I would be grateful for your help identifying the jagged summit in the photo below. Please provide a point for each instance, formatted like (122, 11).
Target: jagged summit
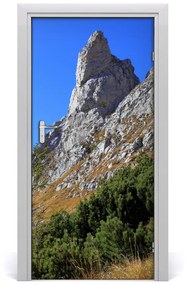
(102, 80)
(96, 36)
(93, 58)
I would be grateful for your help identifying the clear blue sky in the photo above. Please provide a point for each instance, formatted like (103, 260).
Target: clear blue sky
(56, 43)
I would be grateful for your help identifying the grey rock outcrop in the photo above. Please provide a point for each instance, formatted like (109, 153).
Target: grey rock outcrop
(93, 59)
(102, 80)
(137, 143)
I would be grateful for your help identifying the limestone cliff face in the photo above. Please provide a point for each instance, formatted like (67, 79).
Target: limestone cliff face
(93, 59)
(102, 80)
(110, 121)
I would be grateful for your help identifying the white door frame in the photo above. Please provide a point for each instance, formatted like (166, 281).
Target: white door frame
(160, 14)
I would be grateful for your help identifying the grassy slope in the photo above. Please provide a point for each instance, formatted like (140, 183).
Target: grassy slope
(129, 270)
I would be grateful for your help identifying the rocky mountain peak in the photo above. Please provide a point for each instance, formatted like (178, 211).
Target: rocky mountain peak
(102, 80)
(97, 36)
(93, 58)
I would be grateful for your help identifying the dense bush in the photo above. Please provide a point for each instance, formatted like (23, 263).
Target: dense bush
(115, 223)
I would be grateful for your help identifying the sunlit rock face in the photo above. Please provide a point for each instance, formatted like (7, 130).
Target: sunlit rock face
(93, 59)
(102, 80)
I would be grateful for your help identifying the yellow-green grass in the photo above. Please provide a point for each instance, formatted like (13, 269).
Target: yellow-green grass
(130, 270)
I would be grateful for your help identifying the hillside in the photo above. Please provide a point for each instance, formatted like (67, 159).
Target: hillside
(109, 123)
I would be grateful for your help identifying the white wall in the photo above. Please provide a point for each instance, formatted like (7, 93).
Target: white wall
(177, 135)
